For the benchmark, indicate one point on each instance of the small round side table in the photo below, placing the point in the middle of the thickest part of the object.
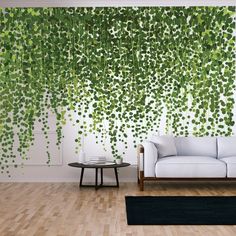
(96, 167)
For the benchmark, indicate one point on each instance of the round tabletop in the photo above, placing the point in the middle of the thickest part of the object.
(112, 165)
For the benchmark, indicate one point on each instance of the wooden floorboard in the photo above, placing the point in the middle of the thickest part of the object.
(63, 209)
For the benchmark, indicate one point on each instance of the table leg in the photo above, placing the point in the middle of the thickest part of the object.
(101, 176)
(117, 180)
(81, 177)
(96, 178)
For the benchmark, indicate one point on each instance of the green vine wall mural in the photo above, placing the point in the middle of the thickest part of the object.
(117, 69)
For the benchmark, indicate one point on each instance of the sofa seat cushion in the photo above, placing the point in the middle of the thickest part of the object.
(230, 165)
(190, 167)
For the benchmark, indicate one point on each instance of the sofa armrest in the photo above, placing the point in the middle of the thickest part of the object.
(148, 154)
(150, 158)
(147, 158)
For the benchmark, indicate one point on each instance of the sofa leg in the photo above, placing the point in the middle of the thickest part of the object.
(138, 180)
(141, 181)
(141, 185)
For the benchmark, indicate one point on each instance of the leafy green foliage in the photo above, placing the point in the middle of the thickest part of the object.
(119, 69)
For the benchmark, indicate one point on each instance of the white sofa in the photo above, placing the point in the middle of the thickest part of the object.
(167, 157)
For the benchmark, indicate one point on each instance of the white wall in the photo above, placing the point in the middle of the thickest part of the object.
(36, 171)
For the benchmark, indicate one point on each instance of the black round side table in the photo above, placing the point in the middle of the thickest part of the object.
(96, 167)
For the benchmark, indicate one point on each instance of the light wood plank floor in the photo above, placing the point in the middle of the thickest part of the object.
(63, 209)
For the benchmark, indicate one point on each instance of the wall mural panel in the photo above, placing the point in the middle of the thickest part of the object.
(118, 69)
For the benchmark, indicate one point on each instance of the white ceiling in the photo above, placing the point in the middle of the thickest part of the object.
(113, 3)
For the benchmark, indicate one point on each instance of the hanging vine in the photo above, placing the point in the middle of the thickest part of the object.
(118, 69)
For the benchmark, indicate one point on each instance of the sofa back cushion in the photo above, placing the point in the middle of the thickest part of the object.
(196, 146)
(226, 146)
(165, 145)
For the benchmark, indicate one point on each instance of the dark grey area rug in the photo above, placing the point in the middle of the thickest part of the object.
(181, 210)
